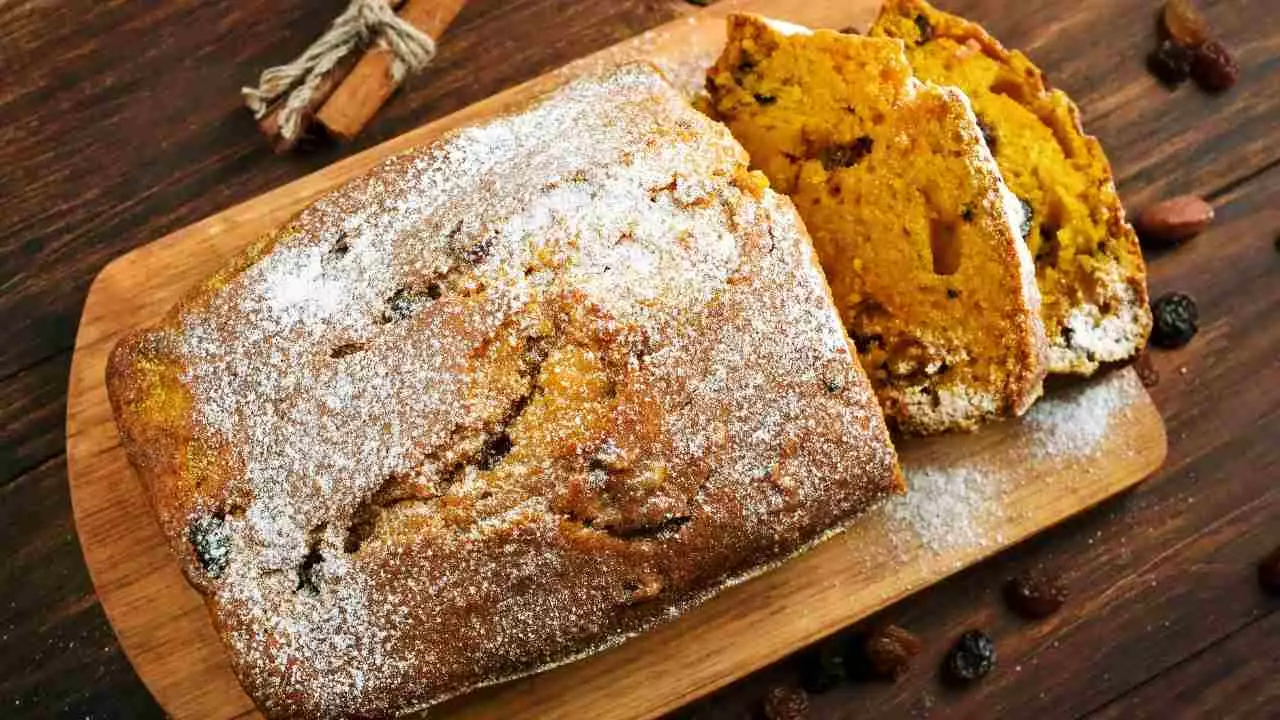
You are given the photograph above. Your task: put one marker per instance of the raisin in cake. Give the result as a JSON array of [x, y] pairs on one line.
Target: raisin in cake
[[914, 227], [1088, 263], [502, 402]]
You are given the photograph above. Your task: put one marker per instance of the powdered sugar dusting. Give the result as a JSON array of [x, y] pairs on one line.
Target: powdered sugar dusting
[[947, 507], [511, 397], [1075, 423], [957, 506]]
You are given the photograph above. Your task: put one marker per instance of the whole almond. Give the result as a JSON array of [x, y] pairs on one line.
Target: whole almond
[[1174, 220]]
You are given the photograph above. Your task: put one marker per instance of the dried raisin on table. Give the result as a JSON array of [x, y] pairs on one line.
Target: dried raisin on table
[[822, 668], [1213, 67], [785, 702], [973, 656], [1184, 23], [1171, 63], [1035, 595], [1176, 320], [890, 651], [1269, 573]]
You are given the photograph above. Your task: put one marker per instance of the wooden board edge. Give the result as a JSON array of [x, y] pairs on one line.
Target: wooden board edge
[[538, 692]]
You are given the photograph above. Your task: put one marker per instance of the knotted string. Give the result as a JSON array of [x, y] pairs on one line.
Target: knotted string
[[357, 26]]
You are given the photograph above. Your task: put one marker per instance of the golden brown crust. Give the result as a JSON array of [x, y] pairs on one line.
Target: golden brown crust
[[503, 401], [1089, 264]]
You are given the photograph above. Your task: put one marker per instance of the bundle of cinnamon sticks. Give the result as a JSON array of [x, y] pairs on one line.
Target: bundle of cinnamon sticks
[[350, 93]]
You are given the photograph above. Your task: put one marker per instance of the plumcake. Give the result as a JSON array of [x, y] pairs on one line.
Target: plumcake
[[913, 225], [1088, 262], [501, 403]]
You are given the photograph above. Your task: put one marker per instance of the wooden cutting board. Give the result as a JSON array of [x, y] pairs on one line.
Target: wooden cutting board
[[974, 494]]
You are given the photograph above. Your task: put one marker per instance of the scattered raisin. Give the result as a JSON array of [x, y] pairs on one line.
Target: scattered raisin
[[403, 303], [699, 3], [785, 702], [1269, 573], [988, 134], [822, 668], [864, 343], [307, 572], [966, 213], [926, 29], [1147, 372], [478, 252], [845, 155], [973, 656], [850, 30], [1176, 320], [1184, 24], [890, 652], [764, 99], [1213, 67], [340, 246], [1171, 63], [1034, 595], [211, 541], [1028, 217], [952, 294], [1050, 246], [495, 448]]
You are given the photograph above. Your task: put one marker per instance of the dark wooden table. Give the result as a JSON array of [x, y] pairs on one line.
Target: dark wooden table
[[120, 121]]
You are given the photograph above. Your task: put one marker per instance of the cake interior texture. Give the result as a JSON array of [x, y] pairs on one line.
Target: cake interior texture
[[506, 400], [1088, 261], [914, 227]]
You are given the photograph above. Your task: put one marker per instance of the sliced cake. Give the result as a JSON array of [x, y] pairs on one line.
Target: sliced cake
[[1088, 263], [913, 225]]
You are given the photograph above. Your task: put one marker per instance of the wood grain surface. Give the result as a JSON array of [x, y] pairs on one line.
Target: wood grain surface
[[120, 122]]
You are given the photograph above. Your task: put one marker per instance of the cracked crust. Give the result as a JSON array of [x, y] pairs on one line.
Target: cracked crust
[[500, 403]]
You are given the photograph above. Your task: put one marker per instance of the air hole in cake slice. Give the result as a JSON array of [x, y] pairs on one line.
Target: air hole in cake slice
[[944, 246]]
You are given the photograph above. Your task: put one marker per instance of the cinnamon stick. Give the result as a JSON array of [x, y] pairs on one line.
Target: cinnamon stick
[[269, 125], [369, 84]]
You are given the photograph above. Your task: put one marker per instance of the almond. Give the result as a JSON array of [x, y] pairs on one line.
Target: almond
[[1174, 220]]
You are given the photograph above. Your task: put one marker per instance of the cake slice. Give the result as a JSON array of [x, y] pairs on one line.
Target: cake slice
[[1088, 263], [913, 225], [502, 402]]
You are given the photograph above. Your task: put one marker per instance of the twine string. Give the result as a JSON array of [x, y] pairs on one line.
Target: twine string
[[363, 23]]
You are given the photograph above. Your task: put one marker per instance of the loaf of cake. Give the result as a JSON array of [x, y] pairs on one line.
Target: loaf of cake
[[500, 403], [911, 220], [1088, 262]]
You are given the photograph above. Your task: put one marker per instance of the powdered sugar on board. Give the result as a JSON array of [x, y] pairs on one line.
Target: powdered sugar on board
[[963, 506]]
